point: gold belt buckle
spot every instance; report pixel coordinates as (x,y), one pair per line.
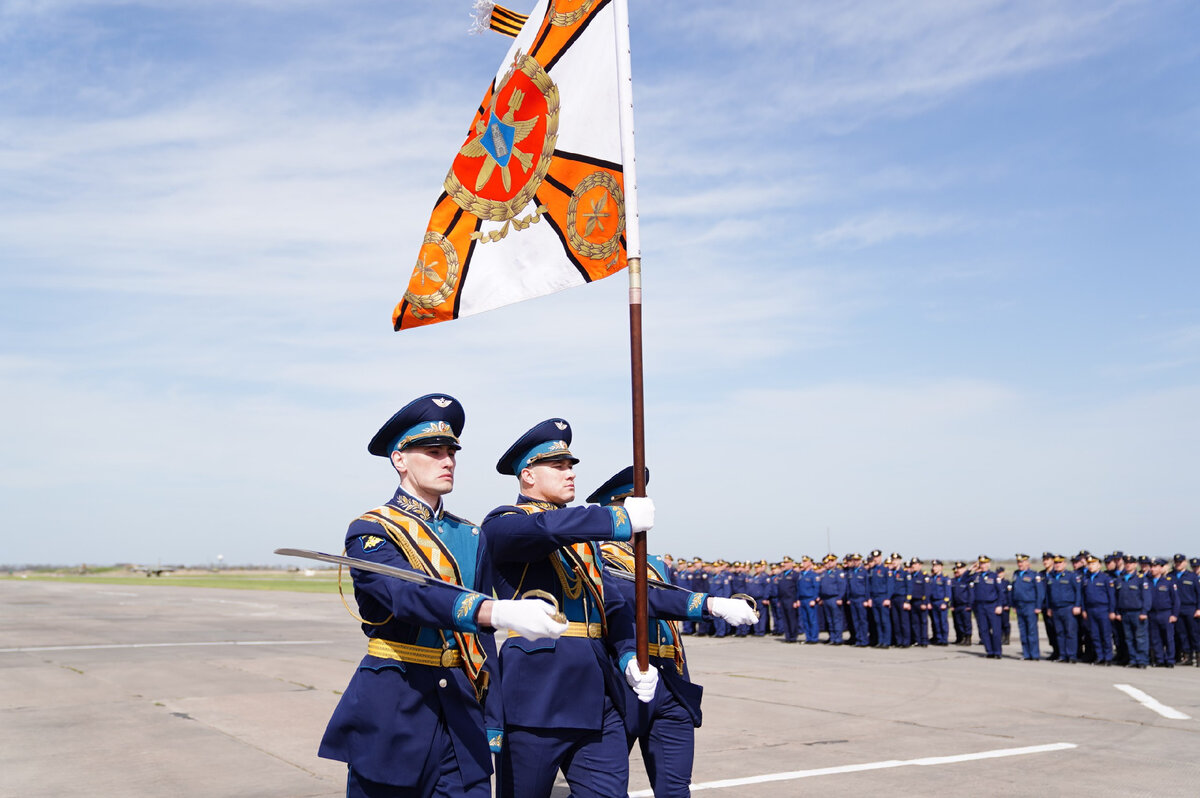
(549,598)
(449,655)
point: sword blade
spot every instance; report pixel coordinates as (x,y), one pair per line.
(628,577)
(375,567)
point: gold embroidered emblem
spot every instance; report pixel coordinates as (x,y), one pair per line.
(413,506)
(565,16)
(428,264)
(606,202)
(371,542)
(441,402)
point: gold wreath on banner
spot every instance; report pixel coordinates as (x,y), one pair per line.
(502,210)
(426,270)
(605,248)
(564,19)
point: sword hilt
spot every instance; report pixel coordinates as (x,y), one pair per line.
(549,598)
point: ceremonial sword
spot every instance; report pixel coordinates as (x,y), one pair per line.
(411,576)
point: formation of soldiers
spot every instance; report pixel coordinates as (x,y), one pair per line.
(1113,609)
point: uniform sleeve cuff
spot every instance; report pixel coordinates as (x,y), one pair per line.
(465,608)
(696,606)
(625,658)
(622,529)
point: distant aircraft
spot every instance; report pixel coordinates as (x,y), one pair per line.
(152,570)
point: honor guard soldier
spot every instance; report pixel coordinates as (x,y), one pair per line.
(989,600)
(563,701)
(832,592)
(1133,609)
(879,578)
(901,630)
(960,599)
(857,599)
(665,728)
(1028,598)
(807,592)
(1063,599)
(1187,628)
(916,602)
(411,722)
(1164,612)
(939,603)
(1047,621)
(1099,610)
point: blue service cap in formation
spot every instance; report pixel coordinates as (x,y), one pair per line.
(1047,555)
(876,553)
(959,564)
(1194,561)
(1020,557)
(1180,558)
(1118,554)
(1160,561)
(549,440)
(619,486)
(435,419)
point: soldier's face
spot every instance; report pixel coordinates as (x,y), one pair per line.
(551,481)
(426,472)
(1093,567)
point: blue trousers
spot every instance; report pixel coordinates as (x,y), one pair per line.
(764,616)
(962,621)
(918,627)
(1027,627)
(1136,638)
(883,621)
(1066,629)
(786,616)
(1187,631)
(939,625)
(667,738)
(989,628)
(440,778)
(1162,636)
(901,631)
(1100,631)
(1051,635)
(858,622)
(833,620)
(808,618)
(594,761)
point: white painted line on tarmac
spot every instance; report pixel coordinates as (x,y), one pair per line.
(888,763)
(1150,702)
(166,645)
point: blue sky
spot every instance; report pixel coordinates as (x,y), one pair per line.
(919,276)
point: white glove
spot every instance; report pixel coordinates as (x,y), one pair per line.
(529,618)
(641,512)
(643,684)
(736,611)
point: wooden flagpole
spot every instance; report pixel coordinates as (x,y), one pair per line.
(634,257)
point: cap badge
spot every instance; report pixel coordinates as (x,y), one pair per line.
(440,402)
(562,425)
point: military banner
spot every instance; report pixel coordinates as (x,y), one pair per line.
(534,201)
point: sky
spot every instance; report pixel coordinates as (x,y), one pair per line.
(918,276)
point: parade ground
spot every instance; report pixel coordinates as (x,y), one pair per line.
(116,690)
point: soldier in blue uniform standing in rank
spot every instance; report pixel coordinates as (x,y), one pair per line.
(770,610)
(720,584)
(989,600)
(1099,610)
(758,587)
(563,701)
(879,578)
(684,580)
(831,595)
(1047,621)
(960,599)
(1005,617)
(1063,597)
(664,728)
(411,724)
(1164,612)
(1028,598)
(1187,628)
(1133,609)
(807,592)
(916,602)
(857,598)
(1115,566)
(783,608)
(901,630)
(700,580)
(939,603)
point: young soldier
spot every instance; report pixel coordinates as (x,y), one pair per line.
(562,699)
(1028,598)
(1099,610)
(1063,599)
(989,600)
(916,602)
(1187,628)
(960,597)
(1133,609)
(1164,612)
(411,722)
(939,603)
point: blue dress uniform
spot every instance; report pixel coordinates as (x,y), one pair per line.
(960,600)
(785,597)
(740,583)
(665,727)
(1133,607)
(901,630)
(1164,605)
(939,603)
(1099,603)
(857,595)
(1047,621)
(720,584)
(1122,651)
(988,596)
(807,592)
(411,722)
(563,701)
(832,591)
(684,580)
(1006,616)
(879,578)
(1063,597)
(917,600)
(1028,598)
(758,587)
(700,579)
(1187,628)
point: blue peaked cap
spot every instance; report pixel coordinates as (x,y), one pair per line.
(618,486)
(435,419)
(549,440)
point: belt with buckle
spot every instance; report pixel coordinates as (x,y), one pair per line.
(661,650)
(416,655)
(578,629)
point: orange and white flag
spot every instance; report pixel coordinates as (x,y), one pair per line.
(535,198)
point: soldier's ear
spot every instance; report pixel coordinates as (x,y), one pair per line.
(399,463)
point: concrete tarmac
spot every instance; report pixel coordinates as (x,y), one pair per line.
(191,692)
